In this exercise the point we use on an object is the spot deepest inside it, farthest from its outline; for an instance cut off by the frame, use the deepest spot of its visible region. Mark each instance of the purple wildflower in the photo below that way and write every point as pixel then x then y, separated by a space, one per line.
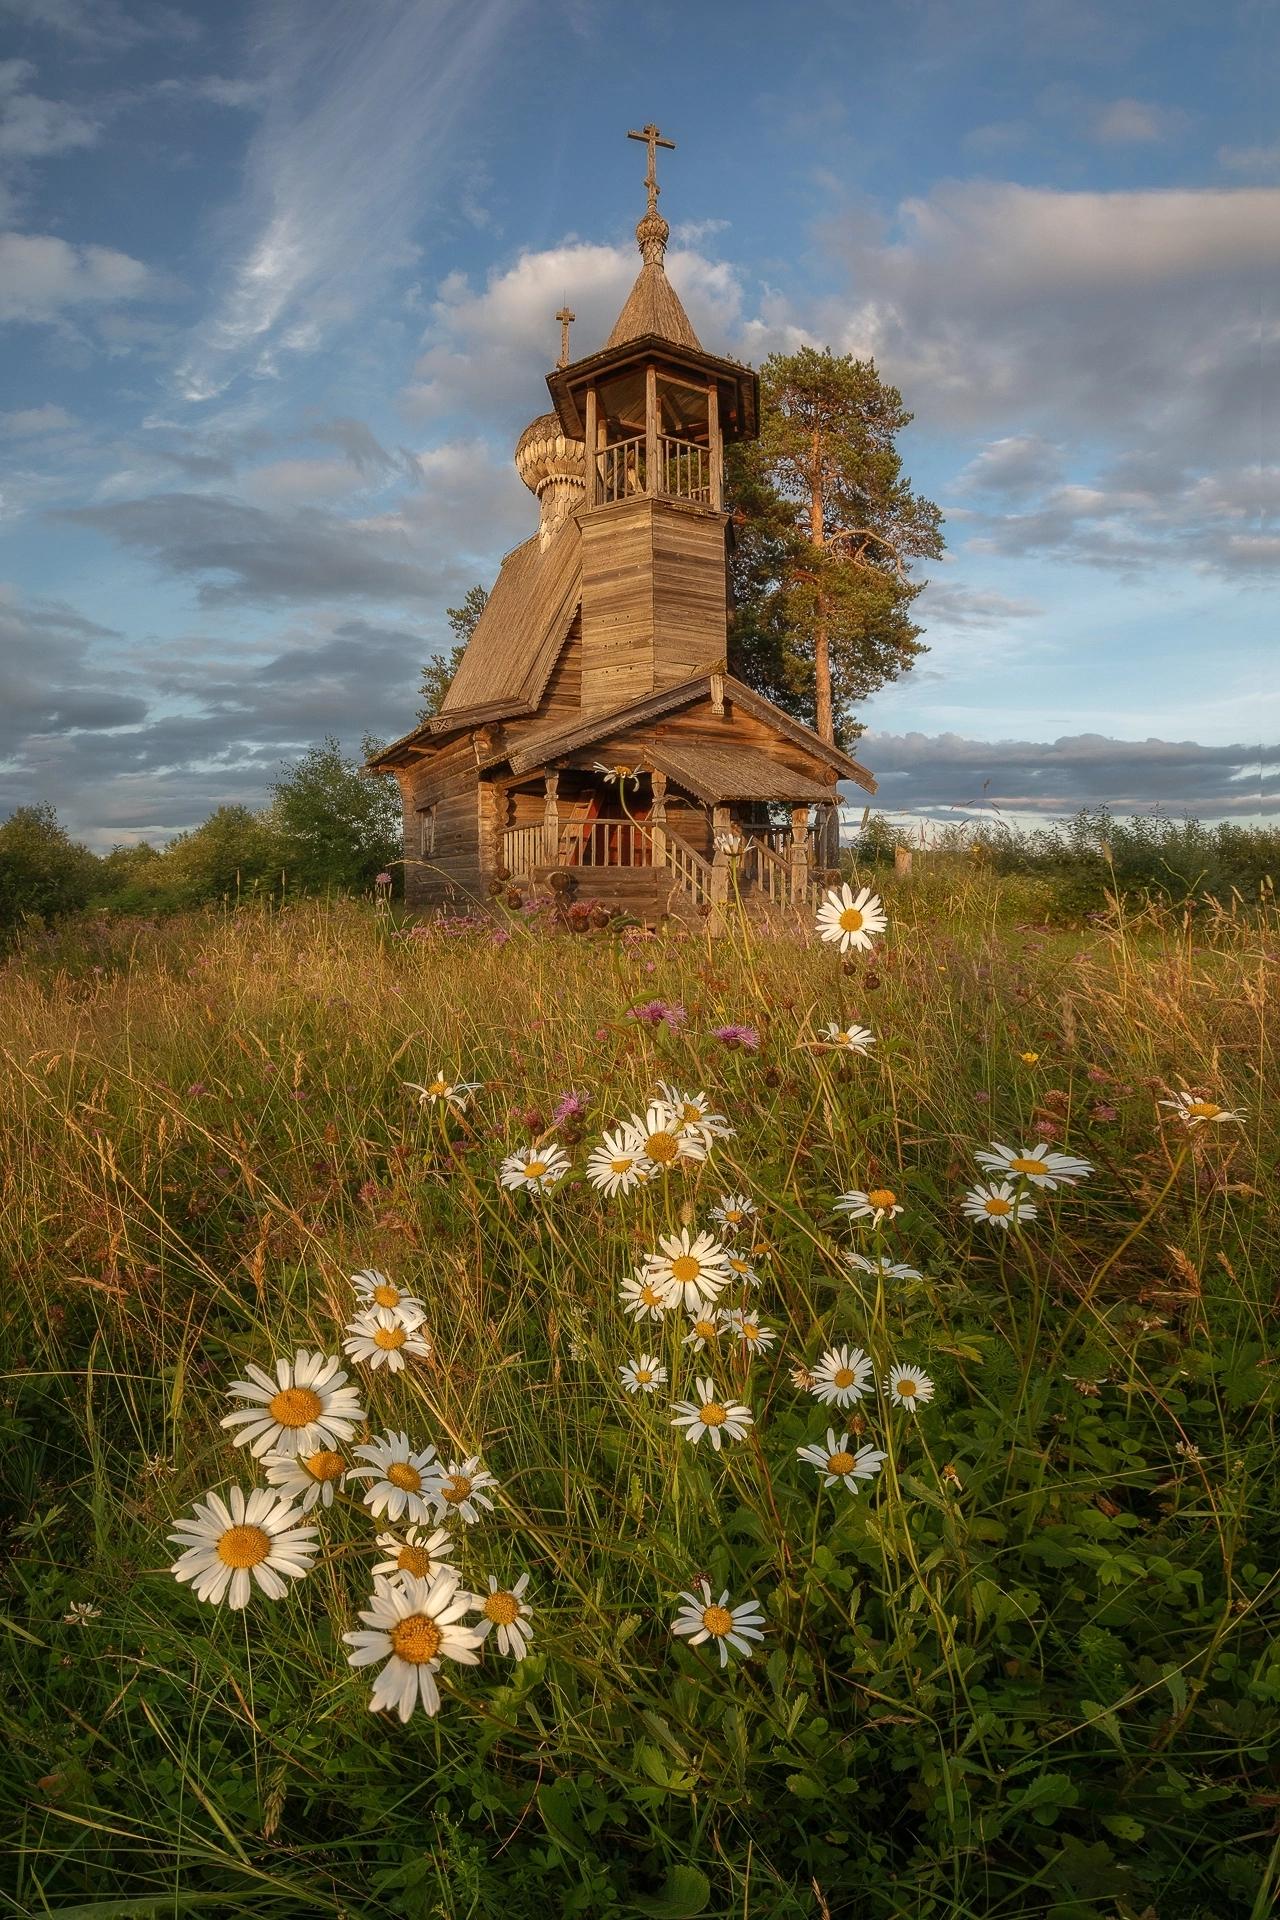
pixel 733 1037
pixel 570 1106
pixel 658 1013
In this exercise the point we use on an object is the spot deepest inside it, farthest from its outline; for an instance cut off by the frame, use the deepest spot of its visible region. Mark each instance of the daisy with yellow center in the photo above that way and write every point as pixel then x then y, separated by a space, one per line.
pixel 1197 1112
pixel 659 1137
pixel 615 1166
pixel 444 1092
pixel 701 1619
pixel 1037 1165
pixel 414 1626
pixel 418 1556
pixel 231 1545
pixel 506 1609
pixel 847 920
pixel 308 1478
pixel 842 1376
pixel 847 1039
pixel 462 1489
pixel 876 1204
pixel 839 1461
pixel 403 1479
pixel 306 1407
pixel 908 1387
pixel 377 1289
pixel 705 1328
pixel 644 1375
pixel 881 1265
pixel 1000 1205
pixel 534 1169
pixel 734 1211
pixel 693 1112
pixel 642 1297
pixel 689 1271
pixel 708 1413
pixel 383 1338
pixel 754 1337
pixel 741 1269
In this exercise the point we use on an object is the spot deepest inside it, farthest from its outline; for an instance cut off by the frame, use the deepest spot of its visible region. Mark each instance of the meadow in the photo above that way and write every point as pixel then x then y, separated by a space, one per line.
pixel 1021 1662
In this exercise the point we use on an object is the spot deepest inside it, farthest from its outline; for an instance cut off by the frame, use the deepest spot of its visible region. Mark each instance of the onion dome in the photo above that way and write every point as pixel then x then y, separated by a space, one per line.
pixel 553 467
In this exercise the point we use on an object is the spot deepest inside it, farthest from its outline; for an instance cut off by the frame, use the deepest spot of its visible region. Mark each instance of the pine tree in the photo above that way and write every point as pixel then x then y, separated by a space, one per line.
pixel 828 525
pixel 438 672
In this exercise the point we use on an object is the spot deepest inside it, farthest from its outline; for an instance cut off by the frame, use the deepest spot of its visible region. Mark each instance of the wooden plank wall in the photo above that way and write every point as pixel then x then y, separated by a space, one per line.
pixel 449 782
pixel 654 602
pixel 690 604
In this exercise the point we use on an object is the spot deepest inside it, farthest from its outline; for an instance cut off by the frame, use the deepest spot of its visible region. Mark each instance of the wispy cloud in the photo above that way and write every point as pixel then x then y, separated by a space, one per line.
pixel 361 104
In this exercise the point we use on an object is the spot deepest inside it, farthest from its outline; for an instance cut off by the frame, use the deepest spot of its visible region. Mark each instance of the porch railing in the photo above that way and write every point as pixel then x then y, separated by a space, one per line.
pixel 523 850
pixel 605 843
pixel 689 867
pixel 621 469
pixel 684 469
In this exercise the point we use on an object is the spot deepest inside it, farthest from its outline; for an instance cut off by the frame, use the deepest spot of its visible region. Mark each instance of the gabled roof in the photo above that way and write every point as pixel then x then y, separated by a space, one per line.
pixel 719 775
pixel 536 750
pixel 518 637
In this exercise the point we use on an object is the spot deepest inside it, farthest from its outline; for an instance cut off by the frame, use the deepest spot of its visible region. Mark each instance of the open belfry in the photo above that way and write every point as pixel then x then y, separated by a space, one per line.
pixel 592 726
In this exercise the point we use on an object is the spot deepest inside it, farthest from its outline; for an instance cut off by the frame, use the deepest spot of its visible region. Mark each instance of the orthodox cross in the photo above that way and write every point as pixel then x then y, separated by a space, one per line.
pixel 652 139
pixel 566 319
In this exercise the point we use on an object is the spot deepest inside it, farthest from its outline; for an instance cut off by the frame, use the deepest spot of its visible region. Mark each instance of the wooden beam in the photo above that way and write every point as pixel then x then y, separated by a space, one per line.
pixel 715 443
pixel 591 436
pixel 551 819
pixel 651 429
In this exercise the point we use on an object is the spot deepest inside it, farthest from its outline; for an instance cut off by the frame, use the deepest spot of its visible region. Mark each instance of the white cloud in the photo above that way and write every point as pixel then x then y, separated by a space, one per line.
pixel 360 106
pixel 27 422
pixel 41 276
pixel 31 127
pixel 1259 161
pixel 1136 123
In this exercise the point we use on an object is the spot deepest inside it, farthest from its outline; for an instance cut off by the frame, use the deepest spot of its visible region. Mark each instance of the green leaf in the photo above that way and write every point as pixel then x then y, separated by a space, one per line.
pixel 686 1893
pixel 559 1817
pixel 1123 1825
pixel 803 1787
pixel 1045 1798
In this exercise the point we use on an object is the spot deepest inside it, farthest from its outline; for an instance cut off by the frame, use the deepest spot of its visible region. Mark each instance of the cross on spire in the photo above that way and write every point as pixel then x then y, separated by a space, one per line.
pixel 653 140
pixel 566 320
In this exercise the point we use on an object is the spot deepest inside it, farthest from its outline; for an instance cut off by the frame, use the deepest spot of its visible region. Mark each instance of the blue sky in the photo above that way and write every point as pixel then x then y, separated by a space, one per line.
pixel 276 292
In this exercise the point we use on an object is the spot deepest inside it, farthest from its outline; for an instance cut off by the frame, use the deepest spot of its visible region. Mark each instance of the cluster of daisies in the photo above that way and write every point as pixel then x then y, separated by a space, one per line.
pixel 676 1129
pixel 299 1426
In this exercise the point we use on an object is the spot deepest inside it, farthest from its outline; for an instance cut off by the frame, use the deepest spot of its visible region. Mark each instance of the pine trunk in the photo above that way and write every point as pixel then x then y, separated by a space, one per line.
pixel 823 715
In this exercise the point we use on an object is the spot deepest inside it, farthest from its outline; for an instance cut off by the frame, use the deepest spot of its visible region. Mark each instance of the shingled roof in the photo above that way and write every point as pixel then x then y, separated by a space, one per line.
pixel 518 637
pixel 653 307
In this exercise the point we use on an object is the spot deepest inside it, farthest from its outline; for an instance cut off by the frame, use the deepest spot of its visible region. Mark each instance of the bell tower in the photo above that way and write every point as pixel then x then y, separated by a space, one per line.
pixel 654 412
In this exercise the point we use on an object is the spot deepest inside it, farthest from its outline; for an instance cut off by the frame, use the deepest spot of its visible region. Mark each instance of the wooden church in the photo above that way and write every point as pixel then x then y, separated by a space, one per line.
pixel 592 727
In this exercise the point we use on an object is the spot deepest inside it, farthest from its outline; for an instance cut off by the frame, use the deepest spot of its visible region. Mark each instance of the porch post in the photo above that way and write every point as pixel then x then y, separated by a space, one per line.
pixel 721 866
pixel 550 820
pixel 658 819
pixel 799 855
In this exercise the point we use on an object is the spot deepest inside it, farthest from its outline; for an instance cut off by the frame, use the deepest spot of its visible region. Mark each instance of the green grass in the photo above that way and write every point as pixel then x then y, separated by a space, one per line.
pixel 1031 1671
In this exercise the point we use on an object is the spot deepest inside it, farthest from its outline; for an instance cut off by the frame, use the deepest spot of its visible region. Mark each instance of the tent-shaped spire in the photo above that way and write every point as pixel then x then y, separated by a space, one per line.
pixel 653 305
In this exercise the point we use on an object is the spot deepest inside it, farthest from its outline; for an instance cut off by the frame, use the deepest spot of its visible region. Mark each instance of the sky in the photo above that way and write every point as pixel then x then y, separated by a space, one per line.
pixel 277 287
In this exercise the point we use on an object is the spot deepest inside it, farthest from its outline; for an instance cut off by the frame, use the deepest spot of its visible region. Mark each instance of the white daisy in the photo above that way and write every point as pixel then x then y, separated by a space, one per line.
pixel 443 1092
pixel 754 1337
pixel 837 1461
pixel 660 1137
pixel 741 1269
pixel 383 1339
pixel 404 1478
pixel 842 1376
pixel 306 1477
pixel 1000 1204
pixel 231 1544
pixel 461 1489
pixel 534 1169
pixel 419 1556
pixel 1201 1113
pixel 847 920
pixel 506 1609
pixel 711 1416
pixel 734 1211
pixel 642 1297
pixel 848 1039
pixel 881 1264
pixel 376 1289
pixel 693 1110
pixel 307 1406
pixel 688 1272
pixel 702 1618
pixel 1035 1164
pixel 706 1325
pixel 644 1375
pixel 909 1387
pixel 414 1625
pixel 879 1203
pixel 615 1167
